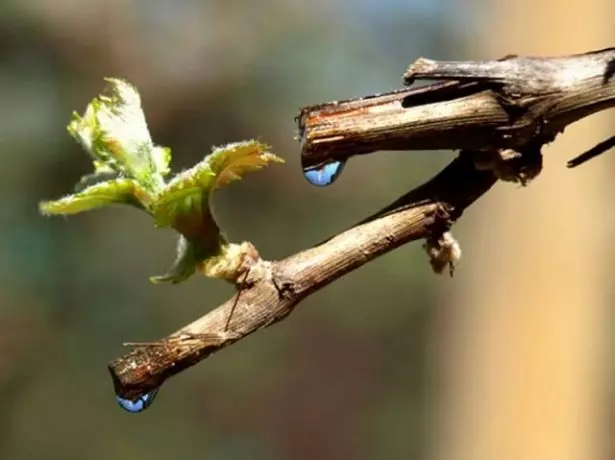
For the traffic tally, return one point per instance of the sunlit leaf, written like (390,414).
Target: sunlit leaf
(185,202)
(232,161)
(189,193)
(130,169)
(114,131)
(185,194)
(118,191)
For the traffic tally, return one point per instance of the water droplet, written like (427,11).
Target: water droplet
(324,175)
(139,404)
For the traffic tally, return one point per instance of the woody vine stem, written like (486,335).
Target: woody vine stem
(498,114)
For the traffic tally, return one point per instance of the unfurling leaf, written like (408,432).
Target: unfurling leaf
(130,169)
(189,192)
(232,161)
(185,202)
(185,195)
(118,191)
(114,132)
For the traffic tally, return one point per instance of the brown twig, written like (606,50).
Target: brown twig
(499,113)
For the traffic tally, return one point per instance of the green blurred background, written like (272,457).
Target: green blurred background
(352,373)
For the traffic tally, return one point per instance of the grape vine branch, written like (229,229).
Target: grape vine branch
(498,114)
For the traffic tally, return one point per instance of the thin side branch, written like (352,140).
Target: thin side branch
(499,113)
(599,149)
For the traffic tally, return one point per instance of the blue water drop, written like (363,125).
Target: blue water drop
(139,404)
(324,175)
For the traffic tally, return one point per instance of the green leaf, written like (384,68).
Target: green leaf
(230,162)
(186,194)
(118,191)
(185,202)
(186,199)
(114,132)
(130,169)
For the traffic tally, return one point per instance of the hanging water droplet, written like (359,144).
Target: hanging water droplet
(139,404)
(324,175)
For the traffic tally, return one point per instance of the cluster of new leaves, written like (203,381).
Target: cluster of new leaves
(130,169)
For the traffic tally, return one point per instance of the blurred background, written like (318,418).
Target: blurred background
(511,359)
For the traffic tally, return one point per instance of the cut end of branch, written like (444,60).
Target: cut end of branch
(419,67)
